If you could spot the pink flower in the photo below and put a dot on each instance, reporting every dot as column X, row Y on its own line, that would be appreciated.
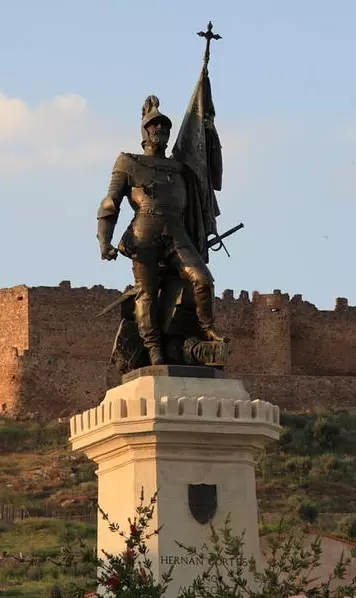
column 129, row 555
column 142, row 576
column 133, row 529
column 113, row 582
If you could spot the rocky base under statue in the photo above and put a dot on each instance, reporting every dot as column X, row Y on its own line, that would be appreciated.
column 182, row 340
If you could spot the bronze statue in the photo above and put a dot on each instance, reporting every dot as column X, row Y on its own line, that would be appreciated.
column 175, row 211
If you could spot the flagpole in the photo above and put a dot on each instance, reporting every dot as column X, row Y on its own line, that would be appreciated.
column 209, row 35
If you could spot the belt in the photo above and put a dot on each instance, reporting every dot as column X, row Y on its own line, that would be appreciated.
column 160, row 211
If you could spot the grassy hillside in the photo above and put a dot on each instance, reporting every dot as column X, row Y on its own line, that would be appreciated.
column 41, row 538
column 311, row 472
column 39, row 472
column 54, row 490
column 313, row 464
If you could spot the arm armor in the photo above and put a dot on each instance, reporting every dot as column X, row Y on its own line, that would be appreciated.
column 110, row 206
column 106, row 227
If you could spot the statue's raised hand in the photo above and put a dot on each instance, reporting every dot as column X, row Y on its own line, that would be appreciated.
column 108, row 252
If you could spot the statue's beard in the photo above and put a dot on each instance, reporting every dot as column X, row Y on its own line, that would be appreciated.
column 157, row 142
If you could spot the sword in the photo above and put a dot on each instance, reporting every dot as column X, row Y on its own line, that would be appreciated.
column 121, row 299
column 218, row 239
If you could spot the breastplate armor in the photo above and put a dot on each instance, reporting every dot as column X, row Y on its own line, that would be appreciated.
column 157, row 184
column 165, row 195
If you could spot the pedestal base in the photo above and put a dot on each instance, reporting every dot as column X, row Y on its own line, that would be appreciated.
column 172, row 434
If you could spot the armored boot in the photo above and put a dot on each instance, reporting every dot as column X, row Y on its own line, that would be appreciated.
column 156, row 356
column 211, row 335
column 205, row 303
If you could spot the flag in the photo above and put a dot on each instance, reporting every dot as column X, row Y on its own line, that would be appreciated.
column 198, row 147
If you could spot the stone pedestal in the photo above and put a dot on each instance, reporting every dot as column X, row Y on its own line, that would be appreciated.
column 166, row 432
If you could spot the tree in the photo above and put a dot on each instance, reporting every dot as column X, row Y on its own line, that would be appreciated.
column 291, row 561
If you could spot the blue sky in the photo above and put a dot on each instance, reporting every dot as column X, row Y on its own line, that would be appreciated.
column 73, row 77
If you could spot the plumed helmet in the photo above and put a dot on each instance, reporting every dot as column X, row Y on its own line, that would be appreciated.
column 150, row 112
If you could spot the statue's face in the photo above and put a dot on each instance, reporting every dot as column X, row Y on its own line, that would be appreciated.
column 158, row 134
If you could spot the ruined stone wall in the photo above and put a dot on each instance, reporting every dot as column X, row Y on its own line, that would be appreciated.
column 66, row 365
column 14, row 340
column 63, row 321
column 54, row 352
column 272, row 333
column 10, row 380
column 235, row 320
column 323, row 342
column 303, row 393
column 275, row 335
column 59, row 385
column 14, row 318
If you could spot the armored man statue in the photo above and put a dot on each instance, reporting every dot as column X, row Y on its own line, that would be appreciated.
column 168, row 316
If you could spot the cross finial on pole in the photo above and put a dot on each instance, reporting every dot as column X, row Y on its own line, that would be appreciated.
column 209, row 35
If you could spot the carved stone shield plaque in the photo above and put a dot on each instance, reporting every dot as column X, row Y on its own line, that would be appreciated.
column 202, row 500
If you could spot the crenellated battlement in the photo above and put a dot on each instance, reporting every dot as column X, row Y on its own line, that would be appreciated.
column 179, row 408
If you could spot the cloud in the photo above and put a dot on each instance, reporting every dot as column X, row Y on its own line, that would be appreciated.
column 62, row 132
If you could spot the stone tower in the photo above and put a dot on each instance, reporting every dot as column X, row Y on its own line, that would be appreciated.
column 272, row 333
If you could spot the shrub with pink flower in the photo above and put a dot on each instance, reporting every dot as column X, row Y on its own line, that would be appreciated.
column 129, row 574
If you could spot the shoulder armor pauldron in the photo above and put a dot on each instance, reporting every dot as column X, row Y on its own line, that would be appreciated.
column 141, row 169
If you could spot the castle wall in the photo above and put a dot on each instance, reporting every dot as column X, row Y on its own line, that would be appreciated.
column 272, row 333
column 67, row 361
column 54, row 352
column 303, row 393
column 63, row 321
column 323, row 342
column 235, row 320
column 14, row 318
column 57, row 386
column 10, row 380
column 14, row 340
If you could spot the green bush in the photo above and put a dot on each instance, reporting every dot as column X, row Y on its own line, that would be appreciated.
column 347, row 526
column 292, row 420
column 308, row 512
column 21, row 435
column 12, row 436
column 299, row 465
column 326, row 434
